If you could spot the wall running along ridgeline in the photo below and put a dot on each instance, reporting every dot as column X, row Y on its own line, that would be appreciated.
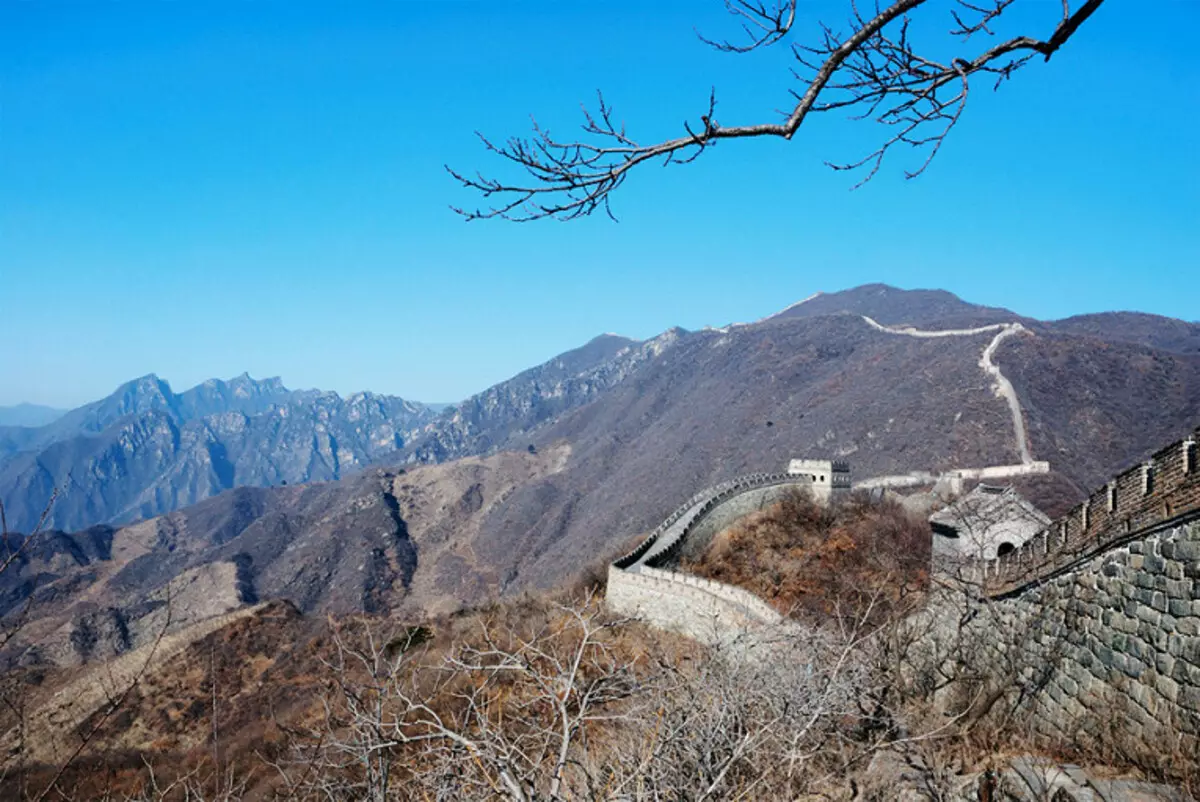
column 1001, row 386
column 641, row 584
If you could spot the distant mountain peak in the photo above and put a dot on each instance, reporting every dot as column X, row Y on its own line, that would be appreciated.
column 895, row 306
column 29, row 415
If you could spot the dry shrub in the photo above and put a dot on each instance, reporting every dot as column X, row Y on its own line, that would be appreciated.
column 811, row 560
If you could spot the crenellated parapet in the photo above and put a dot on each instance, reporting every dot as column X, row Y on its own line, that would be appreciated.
column 1163, row 490
column 671, row 532
column 641, row 583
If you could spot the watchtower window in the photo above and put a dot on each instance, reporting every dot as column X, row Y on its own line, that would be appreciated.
column 1189, row 456
column 1112, row 497
column 1005, row 548
column 1148, row 478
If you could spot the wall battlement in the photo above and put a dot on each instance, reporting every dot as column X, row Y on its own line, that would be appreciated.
column 708, row 611
column 1160, row 491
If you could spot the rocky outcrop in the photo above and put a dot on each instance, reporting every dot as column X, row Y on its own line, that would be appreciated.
column 486, row 422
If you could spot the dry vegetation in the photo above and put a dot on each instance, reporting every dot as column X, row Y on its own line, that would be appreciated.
column 551, row 698
column 811, row 561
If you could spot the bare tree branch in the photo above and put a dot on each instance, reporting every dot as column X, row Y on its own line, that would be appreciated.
column 875, row 72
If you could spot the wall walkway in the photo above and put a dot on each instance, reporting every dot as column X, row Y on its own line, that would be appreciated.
column 710, row 612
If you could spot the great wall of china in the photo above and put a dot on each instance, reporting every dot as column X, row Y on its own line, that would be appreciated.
column 1101, row 610
column 1102, row 607
column 642, row 584
column 1003, row 389
column 670, row 599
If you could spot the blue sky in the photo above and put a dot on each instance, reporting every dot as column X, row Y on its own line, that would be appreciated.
column 198, row 189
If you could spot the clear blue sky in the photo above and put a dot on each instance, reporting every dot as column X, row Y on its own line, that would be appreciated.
column 201, row 188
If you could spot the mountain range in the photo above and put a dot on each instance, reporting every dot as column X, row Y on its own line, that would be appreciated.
column 146, row 450
column 531, row 481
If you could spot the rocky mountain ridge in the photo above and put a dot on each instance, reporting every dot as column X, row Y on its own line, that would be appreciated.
column 145, row 450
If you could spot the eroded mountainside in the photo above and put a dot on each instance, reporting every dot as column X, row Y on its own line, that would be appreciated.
column 384, row 540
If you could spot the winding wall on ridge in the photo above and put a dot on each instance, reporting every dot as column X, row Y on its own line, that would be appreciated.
column 641, row 584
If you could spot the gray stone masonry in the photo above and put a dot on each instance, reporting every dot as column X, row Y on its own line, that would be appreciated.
column 1116, row 640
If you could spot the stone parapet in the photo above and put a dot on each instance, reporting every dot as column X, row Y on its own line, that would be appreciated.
column 1162, row 491
column 1116, row 638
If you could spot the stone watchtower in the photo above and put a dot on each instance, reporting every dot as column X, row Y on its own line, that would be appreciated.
column 830, row 478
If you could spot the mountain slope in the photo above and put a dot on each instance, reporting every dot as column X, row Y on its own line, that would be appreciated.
column 382, row 540
column 562, row 465
column 895, row 307
column 690, row 409
column 1138, row 328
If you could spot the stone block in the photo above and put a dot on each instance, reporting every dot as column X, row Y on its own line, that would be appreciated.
column 1140, row 693
column 1179, row 588
column 1186, row 674
column 1148, row 615
column 1189, row 698
column 1158, row 601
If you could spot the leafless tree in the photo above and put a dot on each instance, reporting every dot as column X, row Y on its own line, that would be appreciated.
column 872, row 69
column 571, row 708
column 112, row 689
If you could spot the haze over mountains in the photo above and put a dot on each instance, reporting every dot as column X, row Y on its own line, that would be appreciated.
column 29, row 415
column 528, row 482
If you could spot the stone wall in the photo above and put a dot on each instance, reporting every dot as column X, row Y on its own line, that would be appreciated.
column 1095, row 621
column 725, row 515
column 663, row 544
column 1163, row 489
column 707, row 611
column 1112, row 643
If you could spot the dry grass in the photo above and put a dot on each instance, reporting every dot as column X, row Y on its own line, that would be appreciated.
column 811, row 561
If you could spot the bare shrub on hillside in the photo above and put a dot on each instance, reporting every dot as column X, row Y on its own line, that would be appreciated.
column 562, row 701
column 811, row 560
